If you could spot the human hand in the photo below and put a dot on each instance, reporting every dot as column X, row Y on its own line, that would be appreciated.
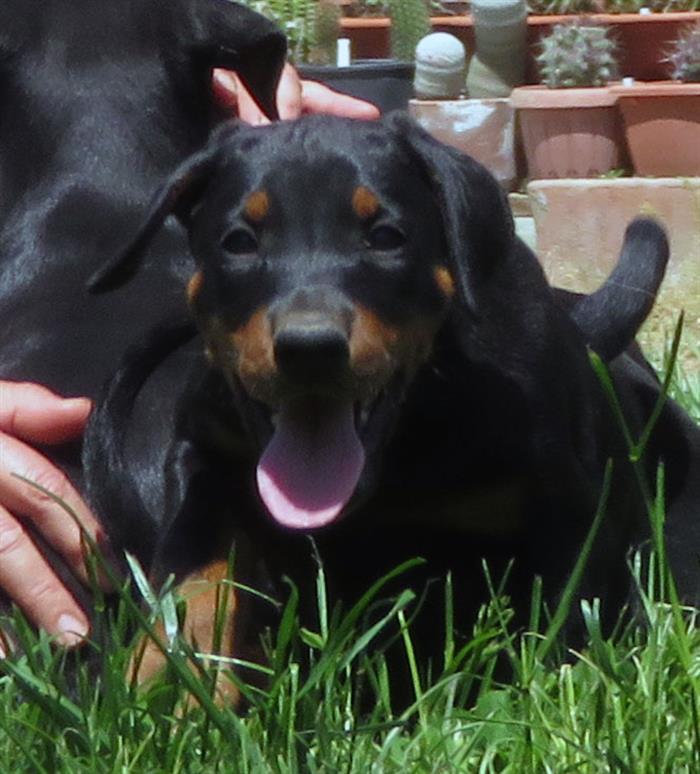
column 294, row 98
column 32, row 414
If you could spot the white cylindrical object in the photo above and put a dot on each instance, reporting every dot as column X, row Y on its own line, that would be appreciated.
column 343, row 52
column 440, row 67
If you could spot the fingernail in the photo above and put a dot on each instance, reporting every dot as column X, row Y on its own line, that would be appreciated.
column 77, row 404
column 77, row 407
column 72, row 631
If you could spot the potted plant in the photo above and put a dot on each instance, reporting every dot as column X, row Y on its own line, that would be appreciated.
column 662, row 118
column 642, row 37
column 643, row 29
column 388, row 83
column 569, row 123
column 311, row 26
column 367, row 23
column 500, row 48
column 484, row 128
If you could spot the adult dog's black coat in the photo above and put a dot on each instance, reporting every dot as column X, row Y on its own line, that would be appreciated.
column 390, row 371
column 101, row 99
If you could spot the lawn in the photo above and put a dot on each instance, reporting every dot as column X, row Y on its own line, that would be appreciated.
column 629, row 704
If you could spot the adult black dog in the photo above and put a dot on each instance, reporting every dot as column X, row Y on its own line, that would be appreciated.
column 390, row 371
column 100, row 101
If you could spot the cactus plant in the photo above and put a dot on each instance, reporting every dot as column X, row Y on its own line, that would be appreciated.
column 410, row 22
column 684, row 55
column 575, row 55
column 500, row 36
column 440, row 67
column 311, row 26
column 326, row 31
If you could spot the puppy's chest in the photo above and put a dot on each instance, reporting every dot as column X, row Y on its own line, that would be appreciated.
column 449, row 530
column 492, row 508
column 450, row 468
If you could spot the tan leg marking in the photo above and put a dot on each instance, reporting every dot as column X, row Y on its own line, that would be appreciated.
column 210, row 599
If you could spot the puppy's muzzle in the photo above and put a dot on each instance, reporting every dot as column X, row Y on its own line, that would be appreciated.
column 310, row 348
column 311, row 340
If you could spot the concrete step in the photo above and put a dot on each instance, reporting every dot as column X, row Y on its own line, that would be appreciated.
column 576, row 228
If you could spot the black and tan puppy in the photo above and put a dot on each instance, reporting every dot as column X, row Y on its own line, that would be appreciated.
column 388, row 370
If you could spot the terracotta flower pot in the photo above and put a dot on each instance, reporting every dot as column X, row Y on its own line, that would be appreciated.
column 644, row 39
column 482, row 128
column 662, row 125
column 568, row 132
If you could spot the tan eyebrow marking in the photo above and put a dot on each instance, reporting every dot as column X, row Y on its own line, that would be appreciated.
column 364, row 202
column 194, row 287
column 257, row 206
column 445, row 281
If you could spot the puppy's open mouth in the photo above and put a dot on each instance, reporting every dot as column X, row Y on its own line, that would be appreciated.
column 311, row 467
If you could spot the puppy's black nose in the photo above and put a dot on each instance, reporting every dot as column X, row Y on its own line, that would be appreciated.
column 310, row 348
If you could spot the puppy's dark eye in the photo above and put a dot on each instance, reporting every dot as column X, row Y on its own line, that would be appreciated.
column 240, row 242
column 384, row 238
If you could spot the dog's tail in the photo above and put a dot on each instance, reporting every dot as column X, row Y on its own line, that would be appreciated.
column 112, row 487
column 610, row 317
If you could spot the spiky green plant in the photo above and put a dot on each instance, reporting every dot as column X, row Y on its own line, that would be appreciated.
column 577, row 55
column 684, row 55
column 410, row 21
column 311, row 26
column 326, row 29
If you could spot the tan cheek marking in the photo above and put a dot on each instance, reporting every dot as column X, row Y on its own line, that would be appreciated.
column 246, row 351
column 376, row 348
column 254, row 347
column 371, row 342
column 364, row 202
column 444, row 281
column 257, row 206
column 194, row 287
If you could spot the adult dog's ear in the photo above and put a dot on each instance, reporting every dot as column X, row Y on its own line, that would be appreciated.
column 478, row 224
column 177, row 195
column 231, row 36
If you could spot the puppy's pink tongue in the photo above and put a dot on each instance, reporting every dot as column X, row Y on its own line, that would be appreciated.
column 311, row 467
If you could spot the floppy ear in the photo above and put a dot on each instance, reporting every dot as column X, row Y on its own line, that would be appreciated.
column 231, row 36
column 177, row 195
column 478, row 224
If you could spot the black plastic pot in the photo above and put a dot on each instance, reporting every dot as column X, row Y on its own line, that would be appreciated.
column 387, row 83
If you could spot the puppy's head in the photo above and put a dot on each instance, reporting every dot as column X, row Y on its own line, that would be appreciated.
column 328, row 256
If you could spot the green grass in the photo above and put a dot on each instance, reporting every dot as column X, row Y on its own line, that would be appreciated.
column 629, row 704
